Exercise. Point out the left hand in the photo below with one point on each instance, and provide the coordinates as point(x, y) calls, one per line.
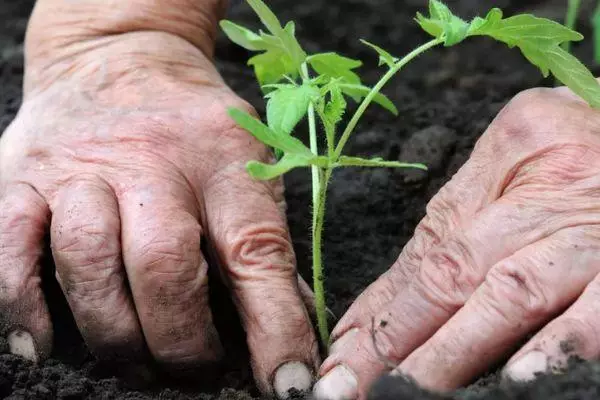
point(509, 246)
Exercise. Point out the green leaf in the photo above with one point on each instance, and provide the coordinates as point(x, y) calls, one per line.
point(272, 66)
point(540, 40)
point(442, 24)
point(331, 111)
point(287, 105)
point(524, 28)
point(384, 56)
point(262, 171)
point(267, 17)
point(376, 162)
point(361, 91)
point(335, 66)
point(286, 143)
point(567, 69)
point(242, 37)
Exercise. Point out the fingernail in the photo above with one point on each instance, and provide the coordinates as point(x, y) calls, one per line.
point(343, 340)
point(292, 377)
point(20, 343)
point(339, 384)
point(527, 367)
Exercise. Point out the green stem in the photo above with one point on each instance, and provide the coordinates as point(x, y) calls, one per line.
point(319, 194)
point(314, 145)
point(318, 276)
point(571, 19)
point(376, 89)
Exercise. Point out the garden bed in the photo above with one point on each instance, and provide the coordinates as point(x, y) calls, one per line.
point(446, 100)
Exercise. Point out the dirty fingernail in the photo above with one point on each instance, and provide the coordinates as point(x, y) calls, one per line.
point(339, 384)
point(20, 343)
point(527, 367)
point(291, 377)
point(343, 340)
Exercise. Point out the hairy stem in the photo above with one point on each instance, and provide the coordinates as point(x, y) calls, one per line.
point(376, 89)
point(318, 276)
point(319, 194)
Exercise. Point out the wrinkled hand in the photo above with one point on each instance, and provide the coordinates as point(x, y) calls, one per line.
point(123, 151)
point(509, 246)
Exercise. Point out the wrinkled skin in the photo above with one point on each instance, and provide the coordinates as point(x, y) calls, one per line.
point(129, 160)
point(509, 246)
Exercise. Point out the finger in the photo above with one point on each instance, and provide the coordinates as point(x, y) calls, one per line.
point(572, 335)
point(473, 188)
point(86, 244)
point(168, 274)
point(447, 276)
point(514, 134)
point(519, 294)
point(256, 255)
point(24, 317)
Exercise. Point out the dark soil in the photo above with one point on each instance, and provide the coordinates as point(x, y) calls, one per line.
point(446, 100)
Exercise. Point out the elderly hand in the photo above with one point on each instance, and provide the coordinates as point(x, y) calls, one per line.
point(510, 246)
point(123, 151)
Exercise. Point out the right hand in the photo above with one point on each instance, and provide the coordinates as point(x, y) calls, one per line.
point(123, 151)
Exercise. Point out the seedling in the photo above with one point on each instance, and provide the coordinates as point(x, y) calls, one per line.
point(317, 86)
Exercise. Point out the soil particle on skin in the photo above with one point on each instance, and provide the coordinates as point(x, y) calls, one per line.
point(446, 100)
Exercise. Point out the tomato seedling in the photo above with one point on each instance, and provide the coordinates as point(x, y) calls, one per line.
point(317, 86)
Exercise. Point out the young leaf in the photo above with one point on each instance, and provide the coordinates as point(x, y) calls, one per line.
point(442, 24)
point(287, 105)
point(262, 171)
point(331, 112)
point(286, 143)
point(242, 37)
point(384, 56)
point(335, 66)
point(540, 41)
point(272, 66)
point(267, 17)
point(360, 91)
point(345, 161)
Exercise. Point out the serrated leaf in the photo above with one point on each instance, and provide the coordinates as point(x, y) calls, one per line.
point(335, 66)
point(443, 24)
point(567, 69)
point(361, 91)
point(267, 17)
point(384, 56)
point(540, 41)
point(331, 111)
point(526, 27)
point(287, 105)
point(262, 132)
point(345, 161)
point(262, 171)
point(272, 66)
point(242, 36)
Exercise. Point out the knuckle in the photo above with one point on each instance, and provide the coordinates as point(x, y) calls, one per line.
point(384, 345)
point(448, 275)
point(168, 252)
point(517, 120)
point(515, 293)
point(259, 248)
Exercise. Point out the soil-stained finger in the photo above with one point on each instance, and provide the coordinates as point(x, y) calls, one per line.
point(168, 273)
point(25, 321)
point(574, 334)
point(520, 293)
point(86, 244)
point(253, 247)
